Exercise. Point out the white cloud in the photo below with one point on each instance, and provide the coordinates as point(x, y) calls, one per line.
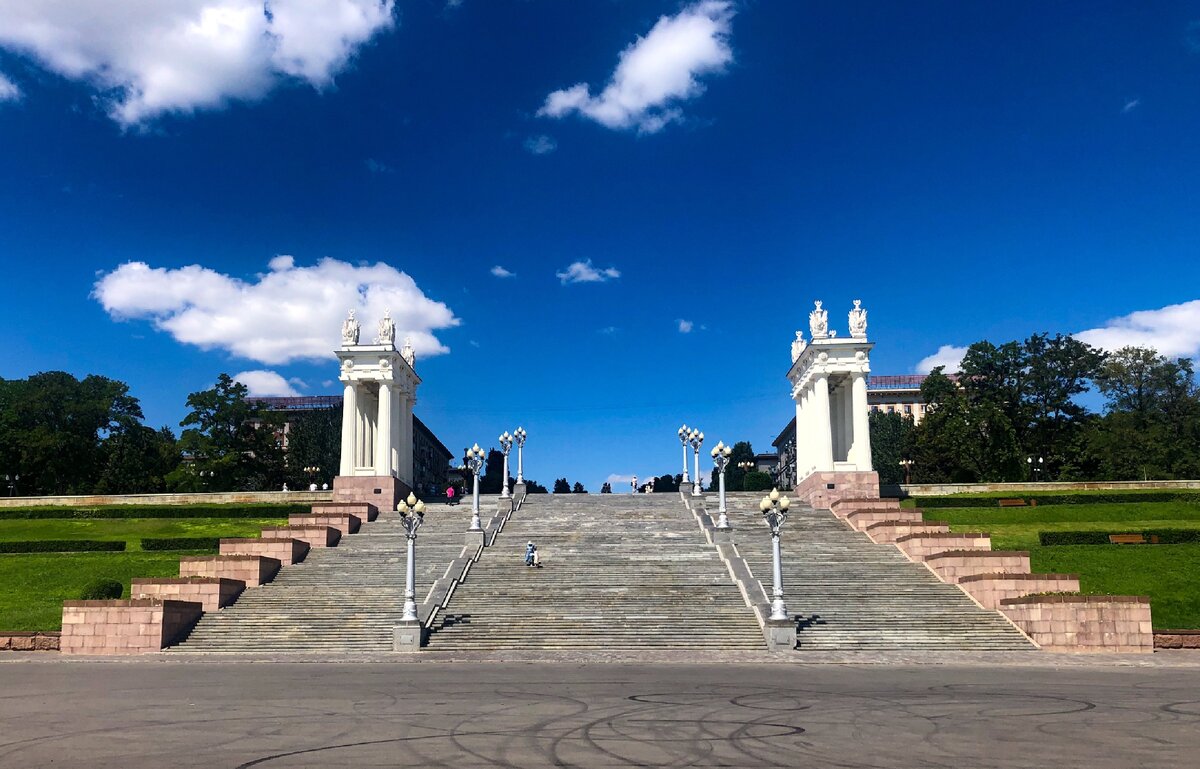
point(655, 72)
point(377, 167)
point(290, 313)
point(618, 480)
point(1131, 105)
point(584, 272)
point(500, 272)
point(147, 58)
point(266, 384)
point(607, 330)
point(947, 355)
point(685, 326)
point(1173, 330)
point(540, 145)
point(8, 89)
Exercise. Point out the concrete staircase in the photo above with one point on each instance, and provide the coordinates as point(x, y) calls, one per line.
point(851, 593)
point(619, 572)
point(345, 598)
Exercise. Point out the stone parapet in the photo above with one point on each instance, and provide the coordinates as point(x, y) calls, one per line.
point(1084, 623)
point(253, 570)
point(920, 546)
point(213, 593)
point(883, 532)
point(345, 523)
point(861, 519)
point(1163, 639)
point(287, 550)
point(822, 489)
point(844, 507)
point(382, 491)
point(33, 641)
point(313, 535)
point(990, 589)
point(133, 626)
point(953, 565)
point(207, 498)
point(364, 511)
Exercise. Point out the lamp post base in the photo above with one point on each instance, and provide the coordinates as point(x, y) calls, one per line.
point(408, 637)
point(780, 635)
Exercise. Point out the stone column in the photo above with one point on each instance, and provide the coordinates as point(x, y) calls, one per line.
point(800, 417)
point(861, 450)
point(822, 439)
point(398, 403)
point(407, 472)
point(383, 435)
point(349, 429)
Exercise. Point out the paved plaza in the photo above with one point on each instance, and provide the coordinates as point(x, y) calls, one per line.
point(488, 712)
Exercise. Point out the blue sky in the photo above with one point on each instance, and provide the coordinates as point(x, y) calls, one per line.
point(968, 171)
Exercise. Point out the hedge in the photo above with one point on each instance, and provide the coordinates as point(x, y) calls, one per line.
point(155, 511)
point(756, 480)
point(183, 543)
point(102, 590)
point(1165, 536)
point(62, 546)
point(1061, 499)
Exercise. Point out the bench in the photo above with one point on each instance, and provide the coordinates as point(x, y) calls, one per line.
point(1132, 539)
point(1012, 503)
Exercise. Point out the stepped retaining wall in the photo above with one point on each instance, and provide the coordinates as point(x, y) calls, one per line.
point(1084, 623)
point(133, 626)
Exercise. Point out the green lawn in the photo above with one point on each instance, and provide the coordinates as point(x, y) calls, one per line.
point(1169, 574)
point(33, 586)
point(132, 530)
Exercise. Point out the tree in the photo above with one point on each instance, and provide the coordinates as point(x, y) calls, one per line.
point(667, 483)
point(561, 486)
point(137, 460)
point(1061, 368)
point(533, 487)
point(757, 480)
point(493, 476)
point(578, 488)
point(606, 488)
point(314, 440)
point(891, 438)
point(228, 442)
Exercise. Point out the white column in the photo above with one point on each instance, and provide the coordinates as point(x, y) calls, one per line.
point(349, 428)
point(846, 420)
point(407, 437)
point(398, 400)
point(861, 451)
point(822, 435)
point(383, 433)
point(801, 418)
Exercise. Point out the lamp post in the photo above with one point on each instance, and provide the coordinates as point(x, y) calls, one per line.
point(506, 442)
point(519, 437)
point(684, 435)
point(11, 480)
point(720, 455)
point(745, 466)
point(412, 515)
point(1035, 468)
point(311, 472)
point(775, 511)
point(475, 464)
point(907, 465)
point(696, 438)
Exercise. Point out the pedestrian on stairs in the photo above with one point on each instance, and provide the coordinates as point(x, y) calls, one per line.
point(531, 555)
point(450, 495)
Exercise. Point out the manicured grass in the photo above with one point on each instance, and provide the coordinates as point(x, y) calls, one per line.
point(34, 586)
point(132, 530)
point(1122, 513)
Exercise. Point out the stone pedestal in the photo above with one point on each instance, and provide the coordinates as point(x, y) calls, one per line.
point(382, 491)
point(822, 489)
point(518, 492)
point(408, 637)
point(476, 538)
point(780, 635)
point(722, 536)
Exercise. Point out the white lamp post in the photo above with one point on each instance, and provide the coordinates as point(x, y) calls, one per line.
point(775, 511)
point(519, 437)
point(696, 438)
point(684, 435)
point(475, 464)
point(412, 515)
point(720, 455)
point(506, 442)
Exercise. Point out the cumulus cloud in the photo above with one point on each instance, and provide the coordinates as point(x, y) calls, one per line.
point(1131, 105)
point(1173, 330)
point(584, 272)
point(618, 480)
point(8, 89)
point(947, 355)
point(685, 326)
point(500, 272)
point(540, 145)
point(266, 384)
point(290, 313)
point(656, 72)
point(607, 330)
point(147, 58)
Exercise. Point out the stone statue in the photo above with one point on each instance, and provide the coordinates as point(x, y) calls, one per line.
point(350, 330)
point(408, 353)
point(387, 329)
point(818, 322)
point(858, 321)
point(798, 345)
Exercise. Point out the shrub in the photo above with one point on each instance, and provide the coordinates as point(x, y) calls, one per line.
point(154, 511)
point(1119, 497)
point(757, 481)
point(1165, 536)
point(102, 590)
point(183, 543)
point(63, 546)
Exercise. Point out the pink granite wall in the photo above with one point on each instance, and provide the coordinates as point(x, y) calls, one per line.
point(889, 531)
point(134, 626)
point(364, 510)
point(343, 522)
point(312, 535)
point(212, 593)
point(952, 566)
point(843, 507)
point(990, 589)
point(1084, 623)
point(253, 570)
point(918, 547)
point(383, 491)
point(286, 549)
point(1177, 639)
point(34, 641)
point(861, 519)
point(824, 488)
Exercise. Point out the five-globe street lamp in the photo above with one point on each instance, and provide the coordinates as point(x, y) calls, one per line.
point(506, 442)
point(519, 436)
point(475, 457)
point(1035, 468)
point(907, 465)
point(412, 515)
point(775, 511)
point(696, 439)
point(721, 454)
point(684, 436)
point(11, 480)
point(311, 471)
